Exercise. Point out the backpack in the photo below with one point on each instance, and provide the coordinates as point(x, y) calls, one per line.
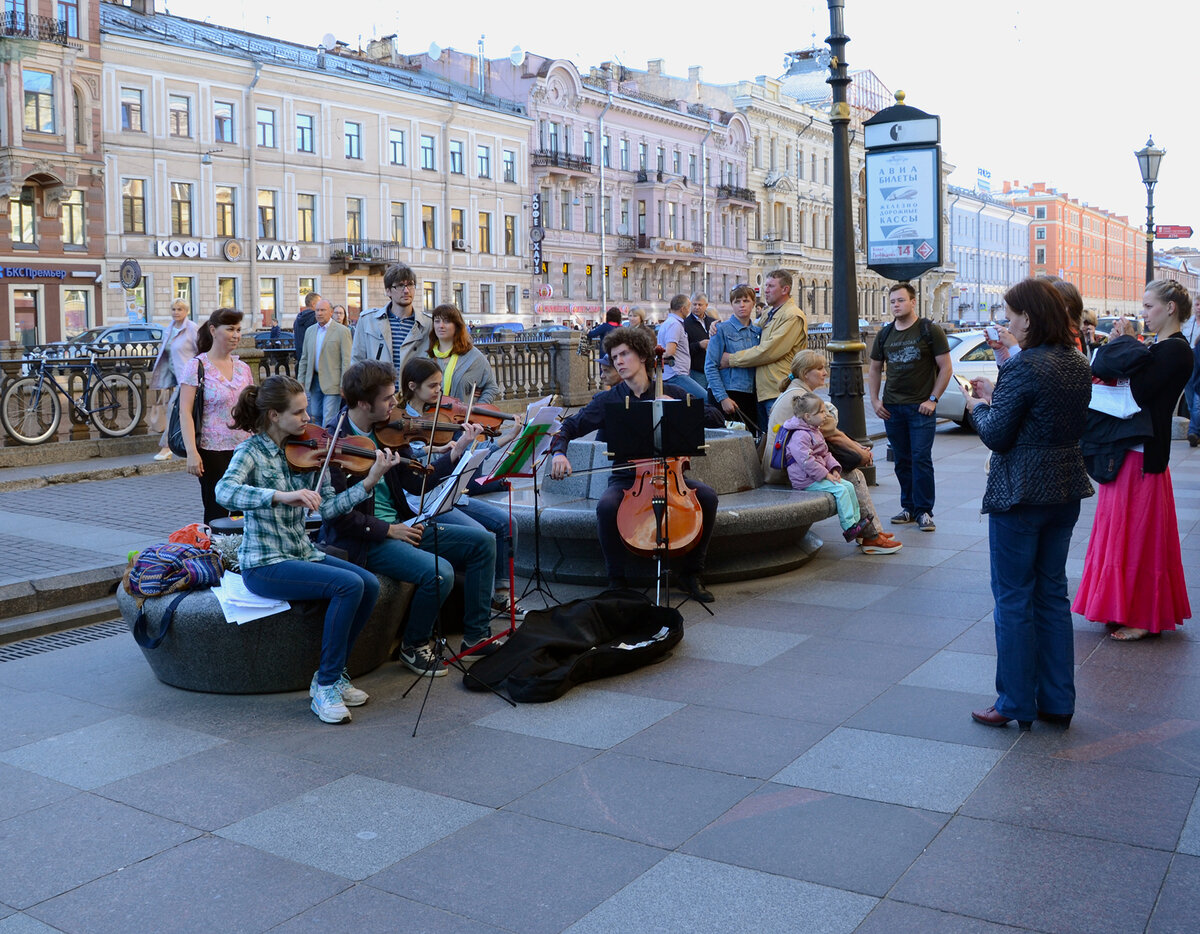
point(779, 455)
point(924, 324)
point(165, 569)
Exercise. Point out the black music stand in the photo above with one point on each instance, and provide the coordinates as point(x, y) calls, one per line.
point(655, 431)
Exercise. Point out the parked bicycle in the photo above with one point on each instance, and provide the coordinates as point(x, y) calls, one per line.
point(30, 408)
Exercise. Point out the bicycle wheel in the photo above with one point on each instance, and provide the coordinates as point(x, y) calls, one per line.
point(115, 405)
point(30, 410)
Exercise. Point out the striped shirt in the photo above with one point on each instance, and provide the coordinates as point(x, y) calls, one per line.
point(275, 532)
point(401, 328)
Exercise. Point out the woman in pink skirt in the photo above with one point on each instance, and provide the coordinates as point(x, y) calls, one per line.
point(1133, 575)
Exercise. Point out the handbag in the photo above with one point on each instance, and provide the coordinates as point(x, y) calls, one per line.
point(847, 457)
point(175, 428)
point(1116, 401)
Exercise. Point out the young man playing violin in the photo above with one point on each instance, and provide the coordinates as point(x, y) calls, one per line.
point(631, 351)
point(378, 534)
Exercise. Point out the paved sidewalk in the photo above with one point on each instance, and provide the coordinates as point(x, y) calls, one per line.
point(805, 762)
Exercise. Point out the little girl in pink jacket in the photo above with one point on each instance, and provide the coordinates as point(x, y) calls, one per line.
point(810, 466)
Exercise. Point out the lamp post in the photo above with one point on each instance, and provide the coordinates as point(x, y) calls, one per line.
point(845, 374)
point(1148, 158)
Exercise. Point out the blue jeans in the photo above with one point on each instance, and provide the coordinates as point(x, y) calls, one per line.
point(1035, 649)
point(477, 514)
point(688, 385)
point(911, 436)
point(350, 590)
point(472, 550)
point(1191, 393)
point(322, 409)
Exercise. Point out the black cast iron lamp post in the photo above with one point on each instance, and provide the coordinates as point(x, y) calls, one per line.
point(1148, 159)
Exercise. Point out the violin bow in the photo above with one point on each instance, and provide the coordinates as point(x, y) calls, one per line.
point(437, 409)
point(337, 430)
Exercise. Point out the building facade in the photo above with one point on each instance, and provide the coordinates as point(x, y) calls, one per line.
point(639, 195)
point(52, 265)
point(989, 247)
point(243, 171)
point(1096, 250)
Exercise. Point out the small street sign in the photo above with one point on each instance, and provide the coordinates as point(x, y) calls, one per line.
point(1172, 232)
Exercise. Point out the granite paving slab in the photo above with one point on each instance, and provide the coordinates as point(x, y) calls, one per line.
point(1189, 838)
point(891, 917)
point(934, 602)
point(1133, 739)
point(362, 909)
point(56, 848)
point(23, 791)
point(965, 672)
point(1065, 882)
point(920, 773)
point(215, 885)
point(449, 764)
point(25, 924)
point(584, 717)
point(1179, 901)
point(104, 752)
point(1053, 794)
point(722, 740)
point(45, 714)
point(849, 843)
point(934, 632)
point(354, 826)
point(930, 713)
point(519, 873)
point(832, 594)
point(210, 789)
point(656, 803)
point(694, 896)
point(852, 658)
point(738, 645)
point(685, 680)
point(779, 693)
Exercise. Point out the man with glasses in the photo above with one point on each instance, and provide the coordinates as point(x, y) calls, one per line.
point(394, 331)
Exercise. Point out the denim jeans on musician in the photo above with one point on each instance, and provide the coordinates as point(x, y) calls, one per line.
point(1035, 649)
point(612, 546)
point(458, 547)
point(477, 514)
point(910, 435)
point(350, 590)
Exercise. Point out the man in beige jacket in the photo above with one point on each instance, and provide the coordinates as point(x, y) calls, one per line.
point(324, 357)
point(784, 332)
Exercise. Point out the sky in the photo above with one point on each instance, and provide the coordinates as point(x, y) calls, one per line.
point(1059, 91)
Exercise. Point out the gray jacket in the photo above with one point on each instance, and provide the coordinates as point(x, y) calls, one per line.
point(373, 337)
point(472, 369)
point(1033, 424)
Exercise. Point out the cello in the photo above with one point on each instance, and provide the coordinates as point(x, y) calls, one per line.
point(659, 514)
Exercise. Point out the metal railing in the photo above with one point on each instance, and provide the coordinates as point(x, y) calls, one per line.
point(561, 160)
point(735, 192)
point(364, 251)
point(43, 28)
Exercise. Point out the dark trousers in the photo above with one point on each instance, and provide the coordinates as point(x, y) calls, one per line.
point(748, 403)
point(1035, 647)
point(910, 435)
point(215, 464)
point(610, 539)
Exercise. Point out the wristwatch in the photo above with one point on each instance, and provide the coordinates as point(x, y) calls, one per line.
point(933, 399)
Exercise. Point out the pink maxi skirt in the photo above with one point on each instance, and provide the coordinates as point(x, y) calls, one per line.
point(1133, 574)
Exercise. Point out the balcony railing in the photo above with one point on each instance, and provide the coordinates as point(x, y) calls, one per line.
point(735, 193)
point(43, 28)
point(562, 160)
point(346, 253)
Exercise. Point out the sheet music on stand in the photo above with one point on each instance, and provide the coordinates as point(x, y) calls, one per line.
point(530, 446)
point(443, 497)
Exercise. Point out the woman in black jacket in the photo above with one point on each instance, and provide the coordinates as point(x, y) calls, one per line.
point(1133, 575)
point(1032, 420)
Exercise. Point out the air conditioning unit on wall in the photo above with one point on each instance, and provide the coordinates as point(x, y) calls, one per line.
point(460, 245)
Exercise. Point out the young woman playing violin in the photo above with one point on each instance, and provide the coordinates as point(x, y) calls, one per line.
point(632, 352)
point(378, 533)
point(419, 385)
point(276, 556)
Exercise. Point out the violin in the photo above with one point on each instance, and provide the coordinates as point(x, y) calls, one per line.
point(659, 514)
point(408, 428)
point(490, 419)
point(353, 453)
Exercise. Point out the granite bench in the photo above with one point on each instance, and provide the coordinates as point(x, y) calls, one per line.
point(761, 530)
point(203, 652)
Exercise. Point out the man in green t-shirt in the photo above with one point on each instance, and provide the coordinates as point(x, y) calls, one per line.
point(918, 372)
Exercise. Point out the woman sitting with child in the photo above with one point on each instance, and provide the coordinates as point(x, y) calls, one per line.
point(810, 466)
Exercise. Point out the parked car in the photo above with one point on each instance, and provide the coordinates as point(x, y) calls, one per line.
point(119, 334)
point(971, 358)
point(264, 341)
point(498, 331)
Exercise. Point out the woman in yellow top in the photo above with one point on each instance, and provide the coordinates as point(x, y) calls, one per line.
point(461, 363)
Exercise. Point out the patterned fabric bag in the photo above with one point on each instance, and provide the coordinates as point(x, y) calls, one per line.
point(165, 569)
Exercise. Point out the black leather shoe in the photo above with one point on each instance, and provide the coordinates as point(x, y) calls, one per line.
point(692, 585)
point(1058, 719)
point(993, 717)
point(1193, 440)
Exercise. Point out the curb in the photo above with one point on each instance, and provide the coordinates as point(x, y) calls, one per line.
point(76, 475)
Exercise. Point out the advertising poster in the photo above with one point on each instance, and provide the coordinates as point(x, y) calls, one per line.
point(902, 209)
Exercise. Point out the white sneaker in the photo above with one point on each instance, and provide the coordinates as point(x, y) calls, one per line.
point(351, 696)
point(327, 704)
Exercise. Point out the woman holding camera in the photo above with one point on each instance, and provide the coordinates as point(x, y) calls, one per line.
point(1032, 420)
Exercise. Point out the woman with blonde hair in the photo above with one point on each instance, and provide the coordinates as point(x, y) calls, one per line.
point(809, 372)
point(176, 351)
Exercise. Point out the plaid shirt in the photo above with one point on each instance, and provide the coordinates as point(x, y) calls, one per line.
point(275, 532)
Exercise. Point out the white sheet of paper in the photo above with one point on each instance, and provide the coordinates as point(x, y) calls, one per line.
point(240, 605)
